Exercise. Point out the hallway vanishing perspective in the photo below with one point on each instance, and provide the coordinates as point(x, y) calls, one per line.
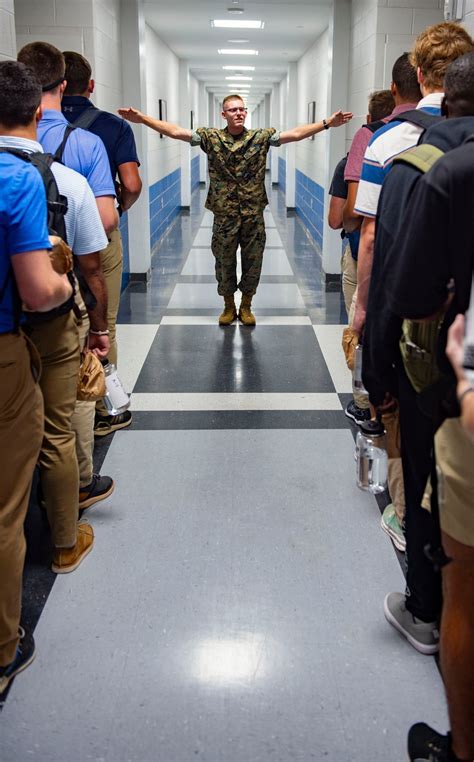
point(231, 610)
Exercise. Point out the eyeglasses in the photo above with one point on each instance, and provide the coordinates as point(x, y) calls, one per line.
point(235, 110)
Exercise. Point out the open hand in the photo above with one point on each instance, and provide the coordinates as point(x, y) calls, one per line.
point(340, 117)
point(131, 115)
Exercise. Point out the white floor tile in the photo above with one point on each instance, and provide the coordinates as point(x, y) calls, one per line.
point(329, 338)
point(134, 342)
point(235, 401)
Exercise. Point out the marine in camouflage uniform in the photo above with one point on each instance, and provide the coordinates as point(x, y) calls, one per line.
point(237, 197)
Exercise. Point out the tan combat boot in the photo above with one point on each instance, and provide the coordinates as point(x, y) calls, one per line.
point(245, 313)
point(230, 313)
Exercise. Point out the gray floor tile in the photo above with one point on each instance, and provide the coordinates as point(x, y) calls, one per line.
point(201, 295)
point(202, 262)
point(218, 616)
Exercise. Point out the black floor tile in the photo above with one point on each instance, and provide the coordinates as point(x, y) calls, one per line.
point(212, 359)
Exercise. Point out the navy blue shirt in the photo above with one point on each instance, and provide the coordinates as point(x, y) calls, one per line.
point(116, 133)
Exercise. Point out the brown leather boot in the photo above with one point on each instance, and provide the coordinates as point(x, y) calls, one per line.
point(230, 313)
point(65, 560)
point(245, 313)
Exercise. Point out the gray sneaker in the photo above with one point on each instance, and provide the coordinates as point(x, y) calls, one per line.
point(421, 635)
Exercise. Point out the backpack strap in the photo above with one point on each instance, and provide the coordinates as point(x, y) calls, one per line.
point(421, 157)
point(419, 118)
point(87, 118)
point(374, 126)
point(58, 155)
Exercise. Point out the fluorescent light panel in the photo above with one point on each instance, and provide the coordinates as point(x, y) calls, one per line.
point(237, 52)
point(239, 68)
point(240, 24)
point(239, 78)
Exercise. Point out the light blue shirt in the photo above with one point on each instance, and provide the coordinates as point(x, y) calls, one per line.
point(84, 151)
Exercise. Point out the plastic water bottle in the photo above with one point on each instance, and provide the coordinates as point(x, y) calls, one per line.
point(371, 457)
point(116, 399)
point(357, 383)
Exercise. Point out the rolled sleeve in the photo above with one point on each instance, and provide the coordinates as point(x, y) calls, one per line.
point(195, 139)
point(275, 139)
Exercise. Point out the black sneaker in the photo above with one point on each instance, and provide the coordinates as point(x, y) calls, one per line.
point(99, 488)
point(25, 653)
point(426, 745)
point(107, 424)
point(356, 413)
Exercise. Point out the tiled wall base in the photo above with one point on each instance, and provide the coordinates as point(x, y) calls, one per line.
point(310, 205)
point(165, 205)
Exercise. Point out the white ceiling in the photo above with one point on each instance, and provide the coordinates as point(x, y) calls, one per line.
point(291, 27)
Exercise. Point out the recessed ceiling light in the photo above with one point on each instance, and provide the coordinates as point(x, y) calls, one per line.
point(239, 68)
point(238, 42)
point(235, 10)
point(240, 78)
point(241, 24)
point(237, 52)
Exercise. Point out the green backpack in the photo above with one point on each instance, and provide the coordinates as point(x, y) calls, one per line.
point(419, 340)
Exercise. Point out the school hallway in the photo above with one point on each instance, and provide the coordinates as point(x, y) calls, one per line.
point(231, 609)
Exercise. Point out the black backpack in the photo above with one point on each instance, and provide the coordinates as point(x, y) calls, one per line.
point(57, 206)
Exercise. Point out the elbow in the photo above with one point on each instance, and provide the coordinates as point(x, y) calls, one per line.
point(110, 222)
point(334, 223)
point(134, 187)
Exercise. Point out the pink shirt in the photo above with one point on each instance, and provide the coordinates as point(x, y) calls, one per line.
point(361, 141)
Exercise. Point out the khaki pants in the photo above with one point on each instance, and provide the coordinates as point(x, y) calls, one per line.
point(391, 422)
point(84, 413)
point(57, 342)
point(111, 259)
point(349, 277)
point(455, 461)
point(21, 432)
point(361, 400)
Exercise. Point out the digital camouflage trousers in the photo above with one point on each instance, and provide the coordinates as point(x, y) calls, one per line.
point(227, 235)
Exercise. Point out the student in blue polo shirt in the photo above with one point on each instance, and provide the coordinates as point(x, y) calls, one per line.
point(26, 275)
point(83, 151)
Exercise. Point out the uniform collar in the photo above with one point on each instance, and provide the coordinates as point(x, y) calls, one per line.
point(21, 144)
point(232, 138)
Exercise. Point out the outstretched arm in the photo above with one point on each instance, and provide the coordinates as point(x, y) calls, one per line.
point(307, 130)
point(164, 128)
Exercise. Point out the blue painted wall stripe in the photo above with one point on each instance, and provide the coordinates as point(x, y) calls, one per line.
point(194, 173)
point(165, 205)
point(310, 205)
point(282, 174)
point(126, 251)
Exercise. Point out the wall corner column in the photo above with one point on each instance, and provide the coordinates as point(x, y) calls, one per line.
point(134, 92)
point(337, 98)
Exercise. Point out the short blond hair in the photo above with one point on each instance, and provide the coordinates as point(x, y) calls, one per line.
point(232, 97)
point(436, 47)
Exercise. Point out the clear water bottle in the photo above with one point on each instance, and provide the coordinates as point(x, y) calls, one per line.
point(357, 383)
point(371, 457)
point(116, 399)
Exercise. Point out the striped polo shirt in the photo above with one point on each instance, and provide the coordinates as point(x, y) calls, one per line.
point(387, 143)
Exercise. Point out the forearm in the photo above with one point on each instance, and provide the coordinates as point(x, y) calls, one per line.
point(127, 198)
point(364, 262)
point(94, 278)
point(351, 220)
point(167, 128)
point(467, 406)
